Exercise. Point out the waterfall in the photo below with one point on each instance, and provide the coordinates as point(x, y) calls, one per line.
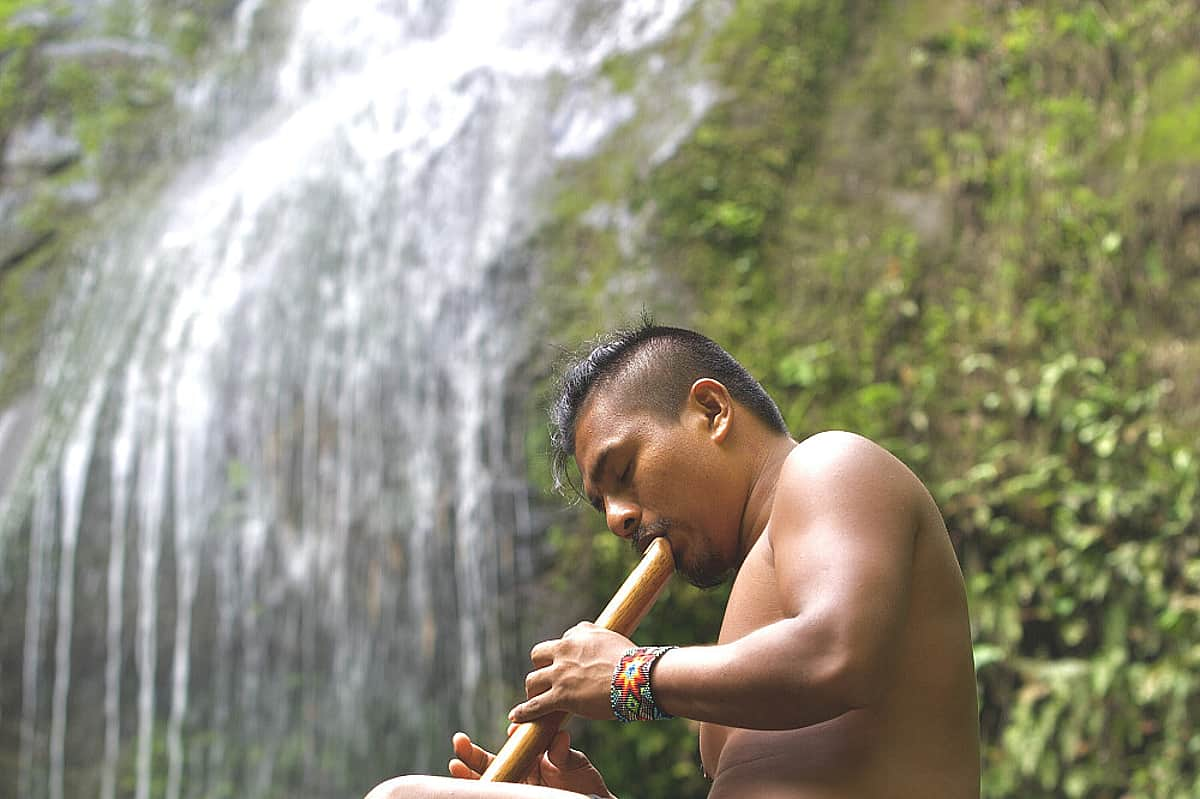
point(268, 531)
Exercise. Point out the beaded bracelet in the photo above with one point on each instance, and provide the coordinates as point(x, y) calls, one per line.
point(632, 699)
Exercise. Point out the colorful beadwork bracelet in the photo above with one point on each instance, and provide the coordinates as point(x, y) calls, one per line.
point(632, 699)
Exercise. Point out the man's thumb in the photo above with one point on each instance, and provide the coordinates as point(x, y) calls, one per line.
point(560, 749)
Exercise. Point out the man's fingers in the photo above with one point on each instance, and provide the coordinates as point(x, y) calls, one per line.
point(560, 747)
point(535, 708)
point(470, 755)
point(462, 771)
point(537, 682)
point(562, 756)
point(542, 654)
point(581, 627)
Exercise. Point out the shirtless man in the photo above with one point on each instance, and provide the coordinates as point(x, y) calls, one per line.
point(843, 668)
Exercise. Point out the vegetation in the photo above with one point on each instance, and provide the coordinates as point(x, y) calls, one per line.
point(972, 232)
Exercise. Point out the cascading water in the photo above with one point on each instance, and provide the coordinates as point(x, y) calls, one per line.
point(265, 537)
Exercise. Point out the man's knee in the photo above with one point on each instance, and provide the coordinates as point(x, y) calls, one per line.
point(413, 786)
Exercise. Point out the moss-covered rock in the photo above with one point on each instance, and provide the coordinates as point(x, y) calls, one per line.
point(85, 99)
point(969, 230)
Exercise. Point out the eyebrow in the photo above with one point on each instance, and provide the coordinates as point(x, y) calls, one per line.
point(596, 473)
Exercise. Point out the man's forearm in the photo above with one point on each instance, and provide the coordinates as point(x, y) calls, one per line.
point(765, 681)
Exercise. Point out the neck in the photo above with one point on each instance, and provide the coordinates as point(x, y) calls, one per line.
point(769, 458)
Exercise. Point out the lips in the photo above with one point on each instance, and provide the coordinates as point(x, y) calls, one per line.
point(658, 528)
point(644, 543)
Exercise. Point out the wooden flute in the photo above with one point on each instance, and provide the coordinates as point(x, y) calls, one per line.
point(622, 614)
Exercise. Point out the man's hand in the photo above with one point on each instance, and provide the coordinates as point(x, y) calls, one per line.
point(561, 767)
point(573, 673)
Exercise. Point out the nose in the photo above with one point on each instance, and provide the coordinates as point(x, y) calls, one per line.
point(623, 517)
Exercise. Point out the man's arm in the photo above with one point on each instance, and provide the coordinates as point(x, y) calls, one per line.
point(842, 534)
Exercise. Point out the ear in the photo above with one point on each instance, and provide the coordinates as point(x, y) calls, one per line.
point(711, 398)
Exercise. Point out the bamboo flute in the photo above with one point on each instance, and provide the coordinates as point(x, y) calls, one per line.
point(622, 614)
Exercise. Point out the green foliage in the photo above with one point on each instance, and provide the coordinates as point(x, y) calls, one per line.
point(15, 43)
point(13, 68)
point(621, 71)
point(1173, 131)
point(968, 231)
point(1083, 581)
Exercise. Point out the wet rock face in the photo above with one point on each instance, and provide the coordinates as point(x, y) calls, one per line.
point(40, 147)
point(35, 151)
point(78, 112)
point(18, 237)
point(42, 21)
point(107, 51)
point(34, 201)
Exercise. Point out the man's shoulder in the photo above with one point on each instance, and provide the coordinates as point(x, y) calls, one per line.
point(835, 453)
point(837, 465)
point(834, 443)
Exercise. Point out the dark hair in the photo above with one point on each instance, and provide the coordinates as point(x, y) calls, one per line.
point(675, 358)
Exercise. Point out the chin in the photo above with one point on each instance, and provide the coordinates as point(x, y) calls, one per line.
point(706, 572)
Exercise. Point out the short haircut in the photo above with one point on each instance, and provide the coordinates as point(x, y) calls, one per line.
point(675, 358)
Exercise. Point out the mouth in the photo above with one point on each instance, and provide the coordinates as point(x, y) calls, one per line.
point(644, 535)
point(642, 545)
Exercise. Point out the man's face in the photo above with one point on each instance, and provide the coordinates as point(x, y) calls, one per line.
point(652, 477)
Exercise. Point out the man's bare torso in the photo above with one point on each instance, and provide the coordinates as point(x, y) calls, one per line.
point(919, 740)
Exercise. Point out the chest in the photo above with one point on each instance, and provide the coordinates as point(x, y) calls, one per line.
point(754, 598)
point(753, 603)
